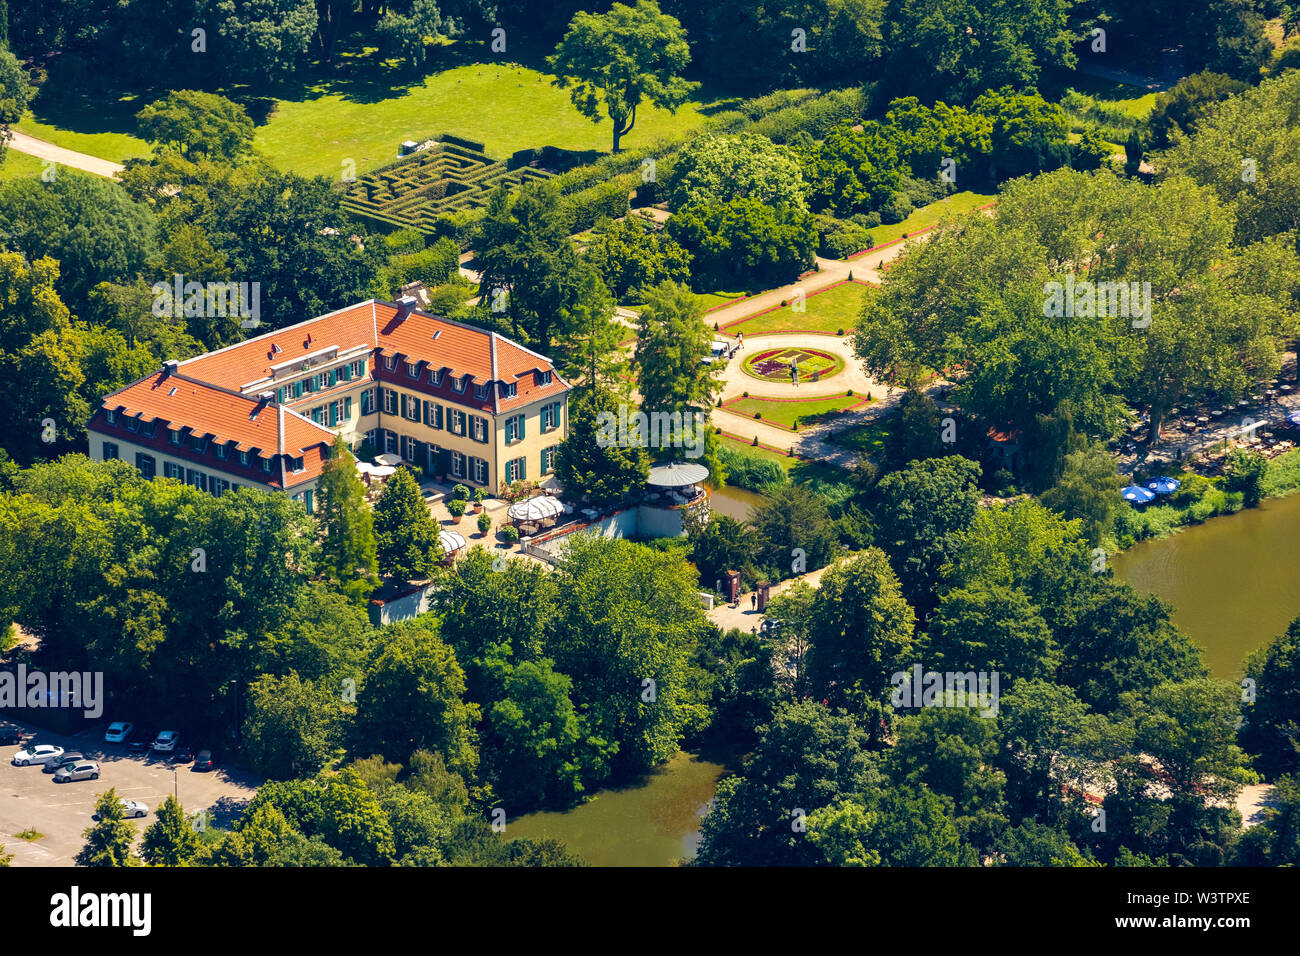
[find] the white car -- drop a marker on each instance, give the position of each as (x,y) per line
(38,754)
(166,741)
(118,732)
(130,808)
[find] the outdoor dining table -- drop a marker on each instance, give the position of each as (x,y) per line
(1285,388)
(1202,419)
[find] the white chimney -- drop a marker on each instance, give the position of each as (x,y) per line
(404,306)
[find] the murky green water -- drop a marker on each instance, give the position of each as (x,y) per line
(734,502)
(1234,581)
(655,822)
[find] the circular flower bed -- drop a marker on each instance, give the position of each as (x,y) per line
(773,365)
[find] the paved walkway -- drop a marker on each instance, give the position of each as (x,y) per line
(726,617)
(22,143)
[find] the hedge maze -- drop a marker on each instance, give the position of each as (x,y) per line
(452,175)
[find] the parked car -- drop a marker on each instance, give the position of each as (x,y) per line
(11,735)
(69,756)
(130,808)
(205,760)
(166,741)
(139,740)
(83,770)
(37,753)
(183,754)
(118,732)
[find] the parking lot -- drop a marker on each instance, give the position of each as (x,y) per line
(30,799)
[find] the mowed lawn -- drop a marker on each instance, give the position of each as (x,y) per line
(18,165)
(784,413)
(954,205)
(835,310)
(798,469)
(334,119)
(86,136)
(506,107)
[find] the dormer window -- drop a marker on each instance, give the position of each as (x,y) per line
(223,449)
(458,384)
(243,458)
(509,389)
(435,376)
(544,378)
(266,464)
(150,427)
(412,370)
(132,423)
(110,416)
(173,436)
(390,362)
(199,443)
(296,464)
(481,392)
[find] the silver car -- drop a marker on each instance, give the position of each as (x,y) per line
(83,770)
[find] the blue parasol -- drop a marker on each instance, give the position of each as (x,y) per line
(1164,485)
(1137,494)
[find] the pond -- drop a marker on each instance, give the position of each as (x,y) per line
(1234,581)
(734,502)
(653,822)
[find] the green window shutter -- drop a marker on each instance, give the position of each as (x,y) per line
(347,407)
(521,427)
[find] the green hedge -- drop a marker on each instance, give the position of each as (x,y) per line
(609,200)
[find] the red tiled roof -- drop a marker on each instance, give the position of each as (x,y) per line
(249,361)
(206,395)
(463,348)
(221,414)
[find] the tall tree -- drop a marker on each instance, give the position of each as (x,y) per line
(593,461)
(672,342)
(348,549)
(861,630)
(406,536)
(621,58)
(109,841)
(170,840)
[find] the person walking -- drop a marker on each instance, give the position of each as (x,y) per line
(740,337)
(753,601)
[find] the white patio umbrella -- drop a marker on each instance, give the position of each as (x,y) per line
(535,509)
(389,459)
(451,541)
(365,468)
(383,471)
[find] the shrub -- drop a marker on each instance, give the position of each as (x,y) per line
(839,238)
(460,493)
(456,507)
(608,200)
(750,471)
(509,534)
(897,208)
(484,522)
